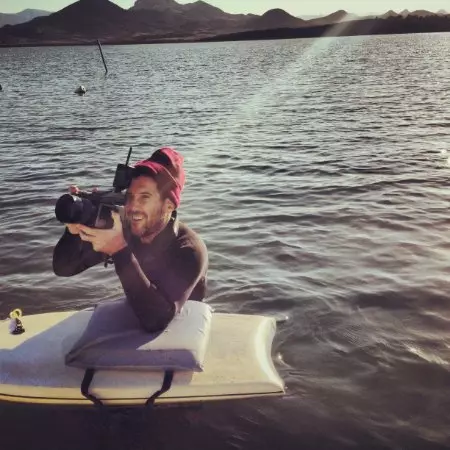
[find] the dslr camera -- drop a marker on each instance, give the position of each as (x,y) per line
(93,209)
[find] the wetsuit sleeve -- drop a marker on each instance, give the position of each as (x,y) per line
(155,306)
(72,255)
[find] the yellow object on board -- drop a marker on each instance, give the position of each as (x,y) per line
(16,314)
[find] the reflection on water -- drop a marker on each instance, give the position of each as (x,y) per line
(317,175)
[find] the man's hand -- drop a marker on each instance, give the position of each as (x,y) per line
(105,241)
(74,228)
(74,190)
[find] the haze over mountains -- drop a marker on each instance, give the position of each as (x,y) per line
(168,20)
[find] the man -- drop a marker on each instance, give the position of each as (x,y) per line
(160,262)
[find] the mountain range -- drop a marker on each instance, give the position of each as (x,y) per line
(85,21)
(21,17)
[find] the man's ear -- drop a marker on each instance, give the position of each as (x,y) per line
(169,206)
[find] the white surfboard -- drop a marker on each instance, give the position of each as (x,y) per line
(238,364)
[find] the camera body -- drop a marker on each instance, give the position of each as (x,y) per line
(93,209)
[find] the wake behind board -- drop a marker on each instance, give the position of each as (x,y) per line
(238,365)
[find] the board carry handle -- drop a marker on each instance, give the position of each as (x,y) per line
(89,376)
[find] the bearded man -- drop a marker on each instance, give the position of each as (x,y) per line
(160,261)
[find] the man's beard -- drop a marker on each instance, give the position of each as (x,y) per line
(146,228)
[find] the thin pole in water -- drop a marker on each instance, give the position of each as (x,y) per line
(103,58)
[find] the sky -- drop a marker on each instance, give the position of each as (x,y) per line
(294,7)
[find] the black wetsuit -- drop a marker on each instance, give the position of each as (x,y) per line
(157,278)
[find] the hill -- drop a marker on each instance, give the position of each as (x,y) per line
(274,18)
(21,17)
(374,26)
(335,17)
(169,21)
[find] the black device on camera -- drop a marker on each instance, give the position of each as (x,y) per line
(93,209)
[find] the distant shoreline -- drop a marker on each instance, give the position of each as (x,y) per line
(94,42)
(366,27)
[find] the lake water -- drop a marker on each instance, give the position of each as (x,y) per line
(318,176)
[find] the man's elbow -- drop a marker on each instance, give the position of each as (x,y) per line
(152,324)
(61,270)
(62,273)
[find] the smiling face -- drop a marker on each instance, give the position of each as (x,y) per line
(147,213)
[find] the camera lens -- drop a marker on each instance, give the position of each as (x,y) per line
(73,209)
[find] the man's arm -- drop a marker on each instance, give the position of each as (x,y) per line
(154,307)
(72,256)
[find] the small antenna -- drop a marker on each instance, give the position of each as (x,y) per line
(128,157)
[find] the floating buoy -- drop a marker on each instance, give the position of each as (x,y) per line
(80,90)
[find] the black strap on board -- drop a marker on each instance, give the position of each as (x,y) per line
(167,383)
(89,376)
(85,384)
